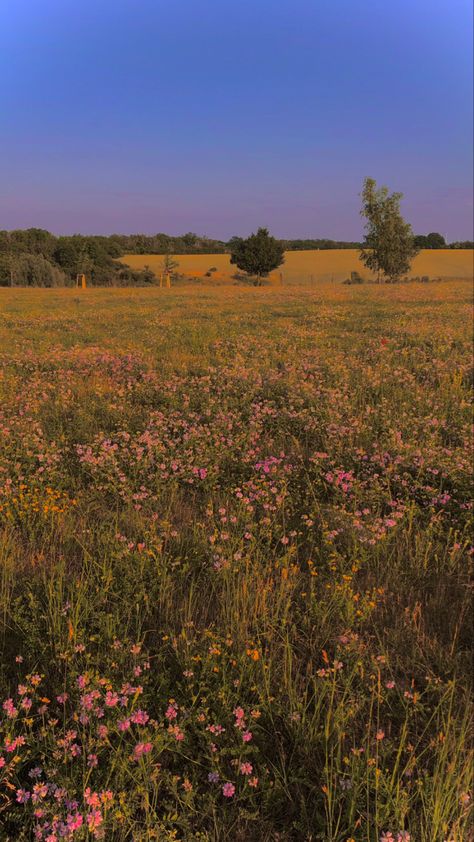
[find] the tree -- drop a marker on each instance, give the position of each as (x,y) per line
(436,241)
(168,269)
(430,241)
(389,246)
(465,244)
(258,254)
(33,241)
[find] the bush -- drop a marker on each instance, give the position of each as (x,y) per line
(34,270)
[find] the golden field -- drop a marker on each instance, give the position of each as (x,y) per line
(317,265)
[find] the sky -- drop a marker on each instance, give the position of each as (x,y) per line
(218,116)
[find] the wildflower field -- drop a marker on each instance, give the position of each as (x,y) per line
(235,548)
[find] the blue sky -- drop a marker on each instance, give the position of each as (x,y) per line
(218,116)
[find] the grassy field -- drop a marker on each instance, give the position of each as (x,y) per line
(234,563)
(316,266)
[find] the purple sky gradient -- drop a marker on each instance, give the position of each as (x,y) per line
(217,117)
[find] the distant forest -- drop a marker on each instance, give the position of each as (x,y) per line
(35,257)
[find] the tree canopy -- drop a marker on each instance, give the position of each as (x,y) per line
(257,255)
(430,241)
(389,246)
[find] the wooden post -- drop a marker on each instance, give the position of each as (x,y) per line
(168,281)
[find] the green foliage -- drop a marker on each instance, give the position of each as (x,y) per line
(257,255)
(127,277)
(33,270)
(463,244)
(389,244)
(32,241)
(165,244)
(430,241)
(321,244)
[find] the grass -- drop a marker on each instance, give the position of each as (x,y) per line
(234,564)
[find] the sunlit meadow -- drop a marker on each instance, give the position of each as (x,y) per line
(235,548)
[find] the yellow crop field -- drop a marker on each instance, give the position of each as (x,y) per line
(317,265)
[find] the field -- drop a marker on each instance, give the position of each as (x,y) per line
(234,561)
(316,266)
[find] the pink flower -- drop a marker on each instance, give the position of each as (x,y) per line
(141,749)
(177,732)
(91,798)
(389,685)
(74,822)
(9,708)
(111,699)
(246,768)
(140,717)
(94,820)
(228,790)
(92,761)
(22,796)
(39,791)
(215,729)
(11,746)
(253,781)
(171,712)
(247,736)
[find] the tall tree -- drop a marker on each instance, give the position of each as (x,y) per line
(389,246)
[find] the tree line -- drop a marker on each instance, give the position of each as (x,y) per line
(35,257)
